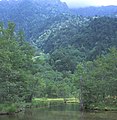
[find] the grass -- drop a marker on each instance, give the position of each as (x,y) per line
(36,102)
(104,107)
(44,102)
(68,100)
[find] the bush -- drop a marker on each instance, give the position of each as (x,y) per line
(10,108)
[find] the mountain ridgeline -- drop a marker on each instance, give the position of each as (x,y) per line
(49,50)
(33,16)
(96,11)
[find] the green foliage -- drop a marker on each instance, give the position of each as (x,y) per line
(24,75)
(70,59)
(41,103)
(99,81)
(10,108)
(65,59)
(15,65)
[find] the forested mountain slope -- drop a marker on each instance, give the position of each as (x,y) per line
(51,27)
(78,37)
(33,16)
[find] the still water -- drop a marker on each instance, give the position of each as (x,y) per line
(63,112)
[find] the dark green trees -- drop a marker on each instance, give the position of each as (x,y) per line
(25,73)
(99,81)
(15,65)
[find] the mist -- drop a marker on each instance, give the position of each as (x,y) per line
(85,3)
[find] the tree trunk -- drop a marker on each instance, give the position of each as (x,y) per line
(81,94)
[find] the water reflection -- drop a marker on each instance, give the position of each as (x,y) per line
(63,112)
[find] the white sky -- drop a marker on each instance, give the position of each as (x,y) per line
(82,3)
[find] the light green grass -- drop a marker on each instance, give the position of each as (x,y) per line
(44,102)
(68,100)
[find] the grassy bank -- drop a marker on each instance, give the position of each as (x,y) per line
(42,102)
(103,107)
(8,108)
(68,100)
(11,108)
(45,102)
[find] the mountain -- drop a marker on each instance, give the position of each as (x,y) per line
(36,16)
(96,11)
(51,26)
(60,34)
(33,16)
(92,36)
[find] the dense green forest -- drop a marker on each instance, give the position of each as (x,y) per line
(48,52)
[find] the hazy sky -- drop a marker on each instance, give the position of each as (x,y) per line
(82,3)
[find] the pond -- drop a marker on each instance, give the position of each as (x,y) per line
(62,112)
